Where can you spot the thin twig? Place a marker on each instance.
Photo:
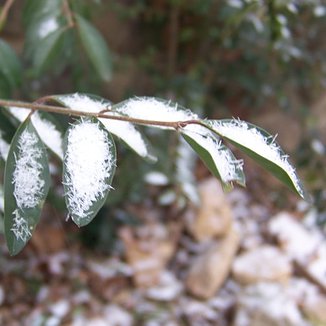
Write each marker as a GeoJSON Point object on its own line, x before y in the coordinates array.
{"type": "Point", "coordinates": [5, 10]}
{"type": "Point", "coordinates": [68, 13]}
{"type": "Point", "coordinates": [37, 105]}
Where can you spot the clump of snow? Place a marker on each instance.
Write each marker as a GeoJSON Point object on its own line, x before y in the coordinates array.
{"type": "Point", "coordinates": [224, 161]}
{"type": "Point", "coordinates": [88, 163]}
{"type": "Point", "coordinates": [47, 131]}
{"type": "Point", "coordinates": [156, 178]}
{"type": "Point", "coordinates": [4, 148]}
{"type": "Point", "coordinates": [82, 102]}
{"type": "Point", "coordinates": [267, 303]}
{"type": "Point", "coordinates": [122, 129]}
{"type": "Point", "coordinates": [251, 138]}
{"type": "Point", "coordinates": [149, 108]}
{"type": "Point", "coordinates": [20, 227]}
{"type": "Point", "coordinates": [48, 26]}
{"type": "Point", "coordinates": [169, 288]}
{"type": "Point", "coordinates": [27, 176]}
{"type": "Point", "coordinates": [296, 241]}
{"type": "Point", "coordinates": [266, 263]}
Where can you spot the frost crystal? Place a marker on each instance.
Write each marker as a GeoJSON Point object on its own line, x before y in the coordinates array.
{"type": "Point", "coordinates": [124, 130]}
{"type": "Point", "coordinates": [27, 179]}
{"type": "Point", "coordinates": [89, 163]}
{"type": "Point", "coordinates": [20, 227]}
{"type": "Point", "coordinates": [47, 131]}
{"type": "Point", "coordinates": [251, 138]}
{"type": "Point", "coordinates": [224, 161]}
{"type": "Point", "coordinates": [149, 108]}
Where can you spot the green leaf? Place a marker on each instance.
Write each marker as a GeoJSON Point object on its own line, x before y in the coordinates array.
{"type": "Point", "coordinates": [217, 157]}
{"type": "Point", "coordinates": [89, 166]}
{"type": "Point", "coordinates": [10, 66]}
{"type": "Point", "coordinates": [26, 184]}
{"type": "Point", "coordinates": [95, 47]}
{"type": "Point", "coordinates": [262, 147]}
{"type": "Point", "coordinates": [124, 130]}
{"type": "Point", "coordinates": [46, 126]}
{"type": "Point", "coordinates": [36, 9]}
{"type": "Point", "coordinates": [48, 50]}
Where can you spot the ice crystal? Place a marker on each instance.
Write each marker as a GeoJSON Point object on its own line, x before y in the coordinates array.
{"type": "Point", "coordinates": [265, 146]}
{"type": "Point", "coordinates": [27, 178]}
{"type": "Point", "coordinates": [122, 129]}
{"type": "Point", "coordinates": [20, 227]}
{"type": "Point", "coordinates": [89, 164]}
{"type": "Point", "coordinates": [149, 108]}
{"type": "Point", "coordinates": [223, 159]}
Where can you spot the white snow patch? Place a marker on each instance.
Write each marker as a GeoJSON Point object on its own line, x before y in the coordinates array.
{"type": "Point", "coordinates": [60, 308]}
{"type": "Point", "coordinates": [47, 27]}
{"type": "Point", "coordinates": [129, 134]}
{"type": "Point", "coordinates": [265, 302]}
{"type": "Point", "coordinates": [168, 289]}
{"type": "Point", "coordinates": [82, 102]}
{"type": "Point", "coordinates": [27, 179]}
{"type": "Point", "coordinates": [88, 162]}
{"type": "Point", "coordinates": [251, 138]}
{"type": "Point", "coordinates": [156, 178]}
{"type": "Point", "coordinates": [122, 129]}
{"type": "Point", "coordinates": [295, 240]}
{"type": "Point", "coordinates": [226, 165]}
{"type": "Point", "coordinates": [20, 227]}
{"type": "Point", "coordinates": [47, 131]}
{"type": "Point", "coordinates": [4, 148]}
{"type": "Point", "coordinates": [148, 108]}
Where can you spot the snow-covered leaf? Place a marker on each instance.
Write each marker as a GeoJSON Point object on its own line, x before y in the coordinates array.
{"type": "Point", "coordinates": [217, 157]}
{"type": "Point", "coordinates": [45, 125]}
{"type": "Point", "coordinates": [153, 109]}
{"type": "Point", "coordinates": [26, 184]}
{"type": "Point", "coordinates": [262, 147]}
{"type": "Point", "coordinates": [126, 131]}
{"type": "Point", "coordinates": [89, 166]}
{"type": "Point", "coordinates": [95, 47]}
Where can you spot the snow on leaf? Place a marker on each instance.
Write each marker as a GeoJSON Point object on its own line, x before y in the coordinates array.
{"type": "Point", "coordinates": [261, 146]}
{"type": "Point", "coordinates": [47, 130]}
{"type": "Point", "coordinates": [27, 177]}
{"type": "Point", "coordinates": [122, 129]}
{"type": "Point", "coordinates": [151, 108]}
{"type": "Point", "coordinates": [20, 227]}
{"type": "Point", "coordinates": [26, 184]}
{"type": "Point", "coordinates": [48, 26]}
{"type": "Point", "coordinates": [89, 164]}
{"type": "Point", "coordinates": [218, 158]}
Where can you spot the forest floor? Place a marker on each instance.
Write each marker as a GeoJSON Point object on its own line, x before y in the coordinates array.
{"type": "Point", "coordinates": [236, 260]}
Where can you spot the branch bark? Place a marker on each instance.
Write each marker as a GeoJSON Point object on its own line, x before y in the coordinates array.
{"type": "Point", "coordinates": [38, 105]}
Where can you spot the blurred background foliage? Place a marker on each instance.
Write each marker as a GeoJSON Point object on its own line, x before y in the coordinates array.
{"type": "Point", "coordinates": [262, 61]}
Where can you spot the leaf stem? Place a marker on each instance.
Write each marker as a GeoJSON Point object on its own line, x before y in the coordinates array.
{"type": "Point", "coordinates": [5, 10]}
{"type": "Point", "coordinates": [39, 105]}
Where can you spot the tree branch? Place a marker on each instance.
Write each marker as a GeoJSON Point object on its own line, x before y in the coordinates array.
{"type": "Point", "coordinates": [5, 10]}
{"type": "Point", "coordinates": [38, 105]}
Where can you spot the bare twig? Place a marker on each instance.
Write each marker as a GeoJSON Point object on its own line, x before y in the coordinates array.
{"type": "Point", "coordinates": [68, 13]}
{"type": "Point", "coordinates": [38, 105]}
{"type": "Point", "coordinates": [5, 10]}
